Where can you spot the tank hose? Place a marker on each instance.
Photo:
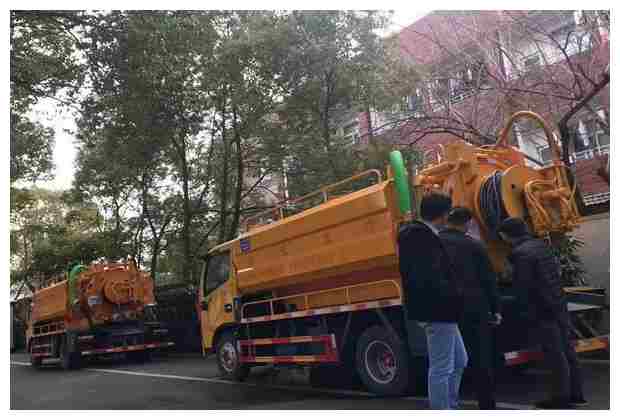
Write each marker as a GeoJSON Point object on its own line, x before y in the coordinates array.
{"type": "Point", "coordinates": [491, 204]}
{"type": "Point", "coordinates": [72, 279]}
{"type": "Point", "coordinates": [401, 182]}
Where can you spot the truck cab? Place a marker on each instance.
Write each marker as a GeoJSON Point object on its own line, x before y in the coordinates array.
{"type": "Point", "coordinates": [216, 295]}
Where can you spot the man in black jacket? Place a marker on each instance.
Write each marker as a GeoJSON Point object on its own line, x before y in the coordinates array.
{"type": "Point", "coordinates": [433, 299]}
{"type": "Point", "coordinates": [537, 282]}
{"type": "Point", "coordinates": [471, 263]}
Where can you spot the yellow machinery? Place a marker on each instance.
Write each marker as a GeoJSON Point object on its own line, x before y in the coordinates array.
{"type": "Point", "coordinates": [100, 309]}
{"type": "Point", "coordinates": [494, 182]}
{"type": "Point", "coordinates": [322, 285]}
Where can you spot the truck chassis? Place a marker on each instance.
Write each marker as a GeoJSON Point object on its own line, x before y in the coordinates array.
{"type": "Point", "coordinates": [371, 338]}
{"type": "Point", "coordinates": [52, 340]}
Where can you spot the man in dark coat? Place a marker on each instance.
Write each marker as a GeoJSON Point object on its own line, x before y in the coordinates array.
{"type": "Point", "coordinates": [433, 299]}
{"type": "Point", "coordinates": [537, 282]}
{"type": "Point", "coordinates": [472, 264]}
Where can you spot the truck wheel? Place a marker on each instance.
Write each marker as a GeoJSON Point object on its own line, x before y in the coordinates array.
{"type": "Point", "coordinates": [69, 359]}
{"type": "Point", "coordinates": [35, 362]}
{"type": "Point", "coordinates": [382, 362]}
{"type": "Point", "coordinates": [228, 358]}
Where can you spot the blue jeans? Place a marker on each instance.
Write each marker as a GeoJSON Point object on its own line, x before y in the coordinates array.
{"type": "Point", "coordinates": [447, 361]}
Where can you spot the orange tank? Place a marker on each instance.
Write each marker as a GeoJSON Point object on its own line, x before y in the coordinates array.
{"type": "Point", "coordinates": [100, 293]}
{"type": "Point", "coordinates": [323, 247]}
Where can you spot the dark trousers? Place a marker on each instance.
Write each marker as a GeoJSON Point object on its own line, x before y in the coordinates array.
{"type": "Point", "coordinates": [560, 357]}
{"type": "Point", "coordinates": [478, 337]}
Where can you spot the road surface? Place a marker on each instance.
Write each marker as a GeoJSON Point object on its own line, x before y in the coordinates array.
{"type": "Point", "coordinates": [192, 383]}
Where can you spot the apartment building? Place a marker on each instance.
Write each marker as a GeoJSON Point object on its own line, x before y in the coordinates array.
{"type": "Point", "coordinates": [481, 66]}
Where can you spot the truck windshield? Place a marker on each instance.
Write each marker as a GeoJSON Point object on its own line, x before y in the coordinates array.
{"type": "Point", "coordinates": [218, 267]}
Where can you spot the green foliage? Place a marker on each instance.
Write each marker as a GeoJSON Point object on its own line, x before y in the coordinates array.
{"type": "Point", "coordinates": [332, 68]}
{"type": "Point", "coordinates": [49, 232]}
{"type": "Point", "coordinates": [185, 113]}
{"type": "Point", "coordinates": [566, 249]}
{"type": "Point", "coordinates": [43, 65]}
{"type": "Point", "coordinates": [31, 149]}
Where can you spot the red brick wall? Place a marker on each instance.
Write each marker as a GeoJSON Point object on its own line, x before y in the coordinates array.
{"type": "Point", "coordinates": [588, 180]}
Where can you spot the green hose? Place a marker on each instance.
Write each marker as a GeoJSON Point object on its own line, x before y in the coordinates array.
{"type": "Point", "coordinates": [401, 182]}
{"type": "Point", "coordinates": [73, 275]}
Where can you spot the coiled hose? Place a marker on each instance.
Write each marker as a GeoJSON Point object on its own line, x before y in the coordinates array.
{"type": "Point", "coordinates": [491, 204]}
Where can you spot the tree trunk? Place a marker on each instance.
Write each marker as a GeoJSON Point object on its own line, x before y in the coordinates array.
{"type": "Point", "coordinates": [187, 220]}
{"type": "Point", "coordinates": [155, 257]}
{"type": "Point", "coordinates": [240, 174]}
{"type": "Point", "coordinates": [224, 191]}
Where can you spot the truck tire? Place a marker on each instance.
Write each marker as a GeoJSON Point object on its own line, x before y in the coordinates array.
{"type": "Point", "coordinates": [35, 362]}
{"type": "Point", "coordinates": [228, 358]}
{"type": "Point", "coordinates": [69, 359]}
{"type": "Point", "coordinates": [382, 362]}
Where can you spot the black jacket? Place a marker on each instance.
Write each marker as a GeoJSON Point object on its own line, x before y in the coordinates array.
{"type": "Point", "coordinates": [472, 265]}
{"type": "Point", "coordinates": [431, 291]}
{"type": "Point", "coordinates": [537, 280]}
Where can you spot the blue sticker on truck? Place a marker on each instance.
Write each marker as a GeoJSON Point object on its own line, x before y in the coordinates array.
{"type": "Point", "coordinates": [245, 245]}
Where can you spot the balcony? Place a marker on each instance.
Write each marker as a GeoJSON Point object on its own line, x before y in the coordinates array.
{"type": "Point", "coordinates": [590, 153]}
{"type": "Point", "coordinates": [598, 198]}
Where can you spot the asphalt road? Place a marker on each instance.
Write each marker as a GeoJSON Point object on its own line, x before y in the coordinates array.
{"type": "Point", "coordinates": [190, 382]}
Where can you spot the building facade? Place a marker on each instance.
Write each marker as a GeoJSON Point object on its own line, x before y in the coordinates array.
{"type": "Point", "coordinates": [478, 68]}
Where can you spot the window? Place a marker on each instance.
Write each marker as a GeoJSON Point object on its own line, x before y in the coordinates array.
{"type": "Point", "coordinates": [544, 154]}
{"type": "Point", "coordinates": [596, 135]}
{"type": "Point", "coordinates": [531, 61]}
{"type": "Point", "coordinates": [218, 268]}
{"type": "Point", "coordinates": [589, 139]}
{"type": "Point", "coordinates": [414, 102]}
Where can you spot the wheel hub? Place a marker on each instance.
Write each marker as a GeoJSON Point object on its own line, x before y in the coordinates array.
{"type": "Point", "coordinates": [380, 362]}
{"type": "Point", "coordinates": [228, 357]}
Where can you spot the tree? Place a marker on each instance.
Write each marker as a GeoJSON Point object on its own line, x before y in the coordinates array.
{"type": "Point", "coordinates": [332, 60]}
{"type": "Point", "coordinates": [484, 67]}
{"type": "Point", "coordinates": [49, 232]}
{"type": "Point", "coordinates": [175, 121]}
{"type": "Point", "coordinates": [43, 65]}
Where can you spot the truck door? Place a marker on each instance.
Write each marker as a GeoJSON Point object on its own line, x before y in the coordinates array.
{"type": "Point", "coordinates": [216, 296]}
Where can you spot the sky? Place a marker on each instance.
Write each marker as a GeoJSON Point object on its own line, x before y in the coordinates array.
{"type": "Point", "coordinates": [48, 113]}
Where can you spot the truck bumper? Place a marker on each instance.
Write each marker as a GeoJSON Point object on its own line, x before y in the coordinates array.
{"type": "Point", "coordinates": [515, 358]}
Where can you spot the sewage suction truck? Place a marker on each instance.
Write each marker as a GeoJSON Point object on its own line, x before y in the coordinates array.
{"type": "Point", "coordinates": [321, 287]}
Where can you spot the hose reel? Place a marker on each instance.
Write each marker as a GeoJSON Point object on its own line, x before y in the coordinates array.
{"type": "Point", "coordinates": [491, 203]}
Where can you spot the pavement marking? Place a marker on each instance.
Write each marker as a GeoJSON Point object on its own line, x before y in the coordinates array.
{"type": "Point", "coordinates": [500, 405]}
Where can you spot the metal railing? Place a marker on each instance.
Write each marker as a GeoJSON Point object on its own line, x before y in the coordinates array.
{"type": "Point", "coordinates": [269, 303]}
{"type": "Point", "coordinates": [590, 153]}
{"type": "Point", "coordinates": [585, 154]}
{"type": "Point", "coordinates": [596, 198]}
{"type": "Point", "coordinates": [277, 213]}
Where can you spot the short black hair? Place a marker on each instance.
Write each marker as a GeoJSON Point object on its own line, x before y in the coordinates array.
{"type": "Point", "coordinates": [459, 216]}
{"type": "Point", "coordinates": [513, 227]}
{"type": "Point", "coordinates": [435, 205]}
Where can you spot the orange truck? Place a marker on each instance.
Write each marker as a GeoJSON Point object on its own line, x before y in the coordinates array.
{"type": "Point", "coordinates": [321, 287]}
{"type": "Point", "coordinates": [98, 310]}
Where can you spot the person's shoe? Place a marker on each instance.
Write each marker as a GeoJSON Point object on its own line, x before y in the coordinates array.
{"type": "Point", "coordinates": [578, 402]}
{"type": "Point", "coordinates": [553, 404]}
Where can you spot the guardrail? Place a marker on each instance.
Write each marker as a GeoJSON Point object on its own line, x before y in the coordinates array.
{"type": "Point", "coordinates": [590, 153]}
{"type": "Point", "coordinates": [277, 213]}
